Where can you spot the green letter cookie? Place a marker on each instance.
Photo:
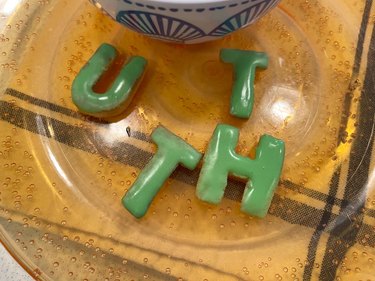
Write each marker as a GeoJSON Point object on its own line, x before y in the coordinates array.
{"type": "Point", "coordinates": [245, 64]}
{"type": "Point", "coordinates": [172, 151]}
{"type": "Point", "coordinates": [120, 94]}
{"type": "Point", "coordinates": [263, 172]}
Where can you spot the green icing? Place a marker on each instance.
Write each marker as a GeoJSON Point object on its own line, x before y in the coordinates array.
{"type": "Point", "coordinates": [245, 64]}
{"type": "Point", "coordinates": [121, 91]}
{"type": "Point", "coordinates": [171, 152]}
{"type": "Point", "coordinates": [263, 172]}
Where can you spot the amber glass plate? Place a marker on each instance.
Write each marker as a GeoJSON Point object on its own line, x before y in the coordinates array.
{"type": "Point", "coordinates": [63, 174]}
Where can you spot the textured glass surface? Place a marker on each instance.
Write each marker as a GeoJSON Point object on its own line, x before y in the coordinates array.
{"type": "Point", "coordinates": [63, 174]}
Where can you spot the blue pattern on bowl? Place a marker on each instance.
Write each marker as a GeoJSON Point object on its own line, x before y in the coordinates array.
{"type": "Point", "coordinates": [243, 18]}
{"type": "Point", "coordinates": [185, 23]}
{"type": "Point", "coordinates": [160, 26]}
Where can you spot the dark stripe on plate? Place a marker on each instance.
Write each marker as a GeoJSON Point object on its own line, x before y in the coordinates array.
{"type": "Point", "coordinates": [314, 242]}
{"type": "Point", "coordinates": [143, 137]}
{"type": "Point", "coordinates": [87, 140]}
{"type": "Point", "coordinates": [317, 195]}
{"type": "Point", "coordinates": [68, 112]}
{"type": "Point", "coordinates": [347, 224]}
{"type": "Point", "coordinates": [320, 228]}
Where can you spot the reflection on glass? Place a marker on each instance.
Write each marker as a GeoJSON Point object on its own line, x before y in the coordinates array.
{"type": "Point", "coordinates": [8, 7]}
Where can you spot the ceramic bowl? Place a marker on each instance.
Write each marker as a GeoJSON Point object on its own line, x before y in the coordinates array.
{"type": "Point", "coordinates": [186, 21]}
